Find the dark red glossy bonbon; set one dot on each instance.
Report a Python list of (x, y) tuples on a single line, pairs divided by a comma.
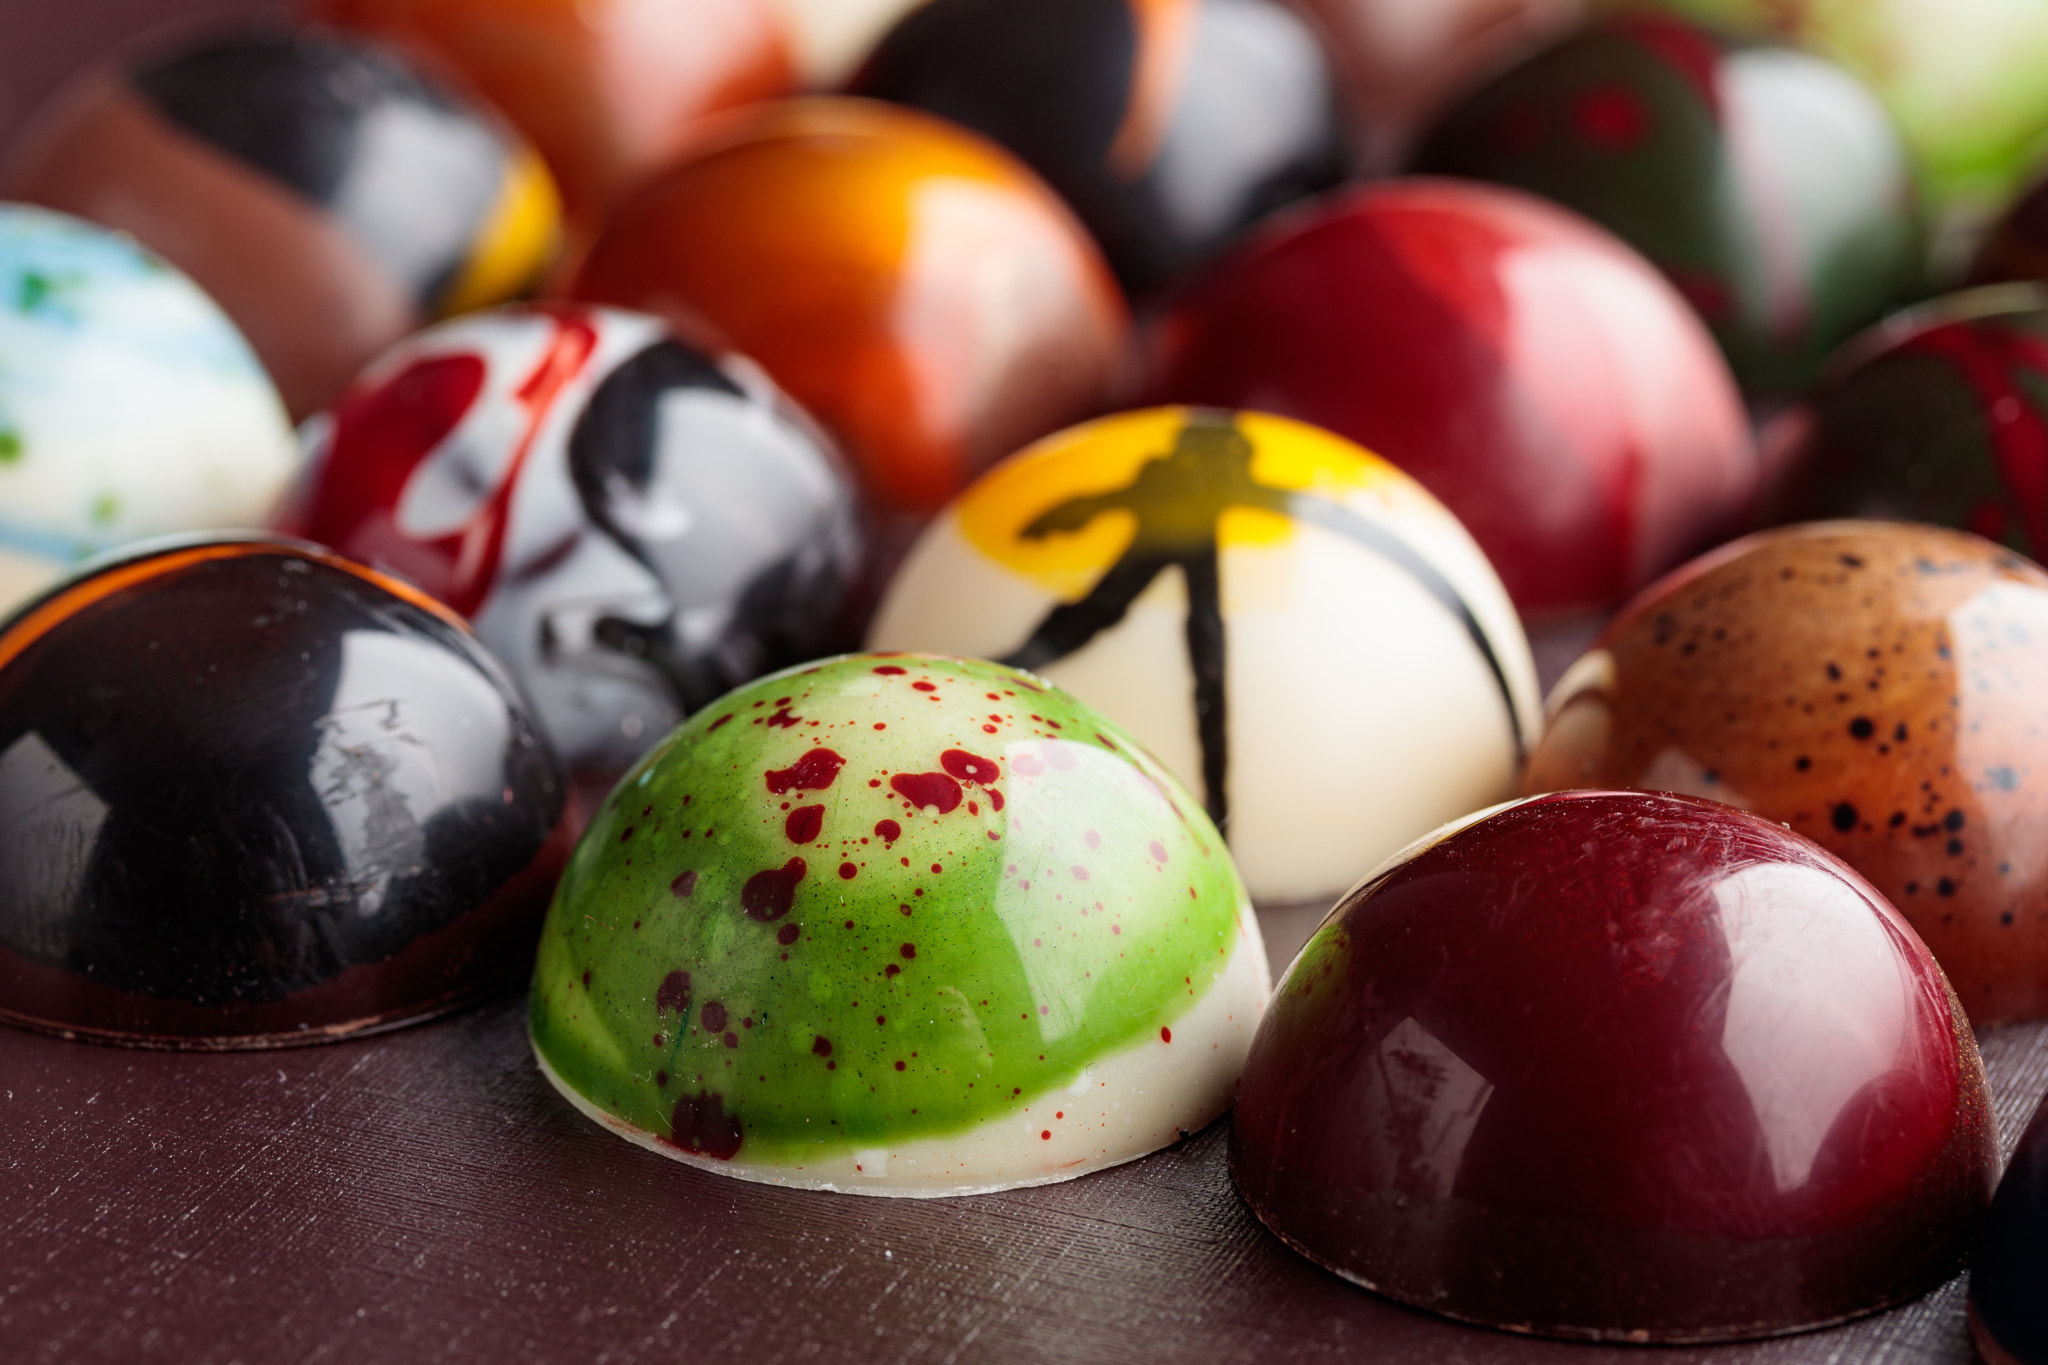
[(1523, 365), (252, 794), (2009, 1273), (1621, 1066), (1768, 184)]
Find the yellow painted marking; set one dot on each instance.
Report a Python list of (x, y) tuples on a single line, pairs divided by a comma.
[(1106, 455), (519, 237)]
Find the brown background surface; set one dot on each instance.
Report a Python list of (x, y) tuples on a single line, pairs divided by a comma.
[(425, 1195)]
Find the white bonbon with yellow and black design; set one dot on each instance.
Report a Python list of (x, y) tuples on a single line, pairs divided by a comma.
[(1295, 627)]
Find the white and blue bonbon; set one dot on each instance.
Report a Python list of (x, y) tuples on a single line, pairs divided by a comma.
[(130, 406)]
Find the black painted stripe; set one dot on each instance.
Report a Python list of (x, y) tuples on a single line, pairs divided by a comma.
[(1336, 517)]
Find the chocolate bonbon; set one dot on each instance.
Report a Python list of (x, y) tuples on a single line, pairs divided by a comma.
[(898, 924), (1300, 632), (1877, 686), (257, 795), (1624, 1066), (633, 525)]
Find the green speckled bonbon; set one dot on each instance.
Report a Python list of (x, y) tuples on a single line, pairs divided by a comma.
[(878, 899)]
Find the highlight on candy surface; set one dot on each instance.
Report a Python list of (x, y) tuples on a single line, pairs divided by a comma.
[(898, 924), (1623, 1066), (254, 795)]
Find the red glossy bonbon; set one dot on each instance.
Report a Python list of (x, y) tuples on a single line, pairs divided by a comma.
[(1526, 367), (1623, 1066)]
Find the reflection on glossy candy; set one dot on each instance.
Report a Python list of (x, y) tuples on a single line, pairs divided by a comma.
[(129, 406), (1623, 1066), (1882, 689), (1527, 368), (1940, 415), (609, 90), (1400, 60), (1961, 77), (1769, 185), (918, 291), (328, 197), (1169, 125), (896, 924), (2008, 1310), (254, 795), (1285, 620), (633, 527)]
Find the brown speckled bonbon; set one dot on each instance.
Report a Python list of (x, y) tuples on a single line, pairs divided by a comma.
[(1880, 688)]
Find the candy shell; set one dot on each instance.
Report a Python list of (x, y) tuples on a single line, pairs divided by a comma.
[(1619, 1066), (1939, 415), (254, 795), (328, 195), (130, 406), (1298, 630), (1169, 127), (917, 289), (1882, 689), (898, 924), (635, 527), (1527, 367)]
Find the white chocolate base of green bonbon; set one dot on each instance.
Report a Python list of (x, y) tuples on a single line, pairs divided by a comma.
[(1124, 1106)]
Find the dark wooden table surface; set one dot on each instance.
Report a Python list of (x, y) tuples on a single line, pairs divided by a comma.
[(426, 1196)]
